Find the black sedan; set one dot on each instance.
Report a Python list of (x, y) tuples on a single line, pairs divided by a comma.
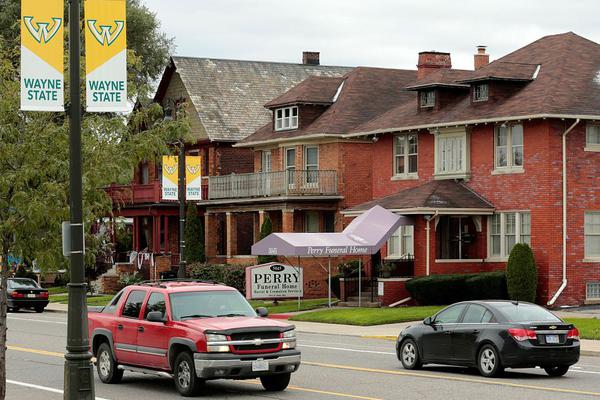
[(491, 335), (26, 293)]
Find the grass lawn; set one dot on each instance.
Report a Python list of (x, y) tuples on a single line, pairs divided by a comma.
[(369, 316), (589, 328), (286, 306), (100, 300), (57, 289)]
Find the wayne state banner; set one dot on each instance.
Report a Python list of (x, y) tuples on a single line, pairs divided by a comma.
[(105, 55), (42, 52), (193, 177)]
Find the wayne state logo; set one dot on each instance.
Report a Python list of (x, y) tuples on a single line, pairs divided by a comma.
[(107, 34), (170, 169), (42, 32), (193, 169)]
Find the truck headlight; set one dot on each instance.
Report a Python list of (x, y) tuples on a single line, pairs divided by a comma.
[(291, 337), (214, 343)]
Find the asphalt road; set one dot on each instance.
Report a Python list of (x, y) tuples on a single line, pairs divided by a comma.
[(333, 367)]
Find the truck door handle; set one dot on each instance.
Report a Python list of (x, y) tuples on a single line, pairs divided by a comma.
[(140, 329), (448, 333), (120, 327)]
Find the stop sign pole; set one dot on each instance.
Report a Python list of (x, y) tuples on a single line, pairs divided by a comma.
[(79, 379)]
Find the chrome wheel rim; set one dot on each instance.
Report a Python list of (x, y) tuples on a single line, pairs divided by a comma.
[(184, 375), (409, 354), (104, 363), (487, 360)]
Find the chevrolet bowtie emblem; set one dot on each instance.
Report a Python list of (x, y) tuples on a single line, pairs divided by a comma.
[(258, 342), (553, 327)]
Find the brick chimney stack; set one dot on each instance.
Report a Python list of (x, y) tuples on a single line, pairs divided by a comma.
[(429, 61), (481, 58), (310, 58)]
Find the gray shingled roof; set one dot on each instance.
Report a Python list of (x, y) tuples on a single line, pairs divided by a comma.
[(229, 95)]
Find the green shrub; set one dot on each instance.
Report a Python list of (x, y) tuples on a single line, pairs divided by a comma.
[(265, 230), (349, 269), (521, 274), (194, 235), (130, 279), (448, 289), (230, 275)]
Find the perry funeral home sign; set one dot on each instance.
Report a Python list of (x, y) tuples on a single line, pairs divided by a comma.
[(42, 55), (274, 281)]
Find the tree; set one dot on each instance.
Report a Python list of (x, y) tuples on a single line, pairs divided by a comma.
[(265, 230), (521, 274), (194, 235), (34, 168)]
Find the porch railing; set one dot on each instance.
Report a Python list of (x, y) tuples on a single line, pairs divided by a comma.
[(276, 183)]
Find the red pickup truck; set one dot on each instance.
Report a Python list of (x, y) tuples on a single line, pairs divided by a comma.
[(193, 332)]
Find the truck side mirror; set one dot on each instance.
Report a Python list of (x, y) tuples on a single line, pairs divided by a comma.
[(262, 312), (428, 321), (155, 316)]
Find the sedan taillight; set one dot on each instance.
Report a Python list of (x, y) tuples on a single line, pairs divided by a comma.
[(44, 294), (573, 334), (522, 335), (17, 295)]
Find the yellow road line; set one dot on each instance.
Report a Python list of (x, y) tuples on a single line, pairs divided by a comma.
[(392, 338), (452, 378), (35, 351)]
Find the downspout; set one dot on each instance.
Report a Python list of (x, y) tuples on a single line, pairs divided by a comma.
[(564, 214), (427, 229)]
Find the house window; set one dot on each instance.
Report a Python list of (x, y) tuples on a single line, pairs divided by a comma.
[(506, 229), (405, 154), (452, 156), (144, 174), (311, 163), (509, 146), (592, 234), (311, 221), (286, 118), (427, 98), (480, 92), (592, 137), (265, 162), (290, 165), (400, 244), (592, 291)]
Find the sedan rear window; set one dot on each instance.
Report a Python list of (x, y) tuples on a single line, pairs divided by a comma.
[(22, 283), (522, 312)]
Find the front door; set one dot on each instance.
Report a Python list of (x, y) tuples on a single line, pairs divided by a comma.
[(437, 341), (153, 337), (126, 330)]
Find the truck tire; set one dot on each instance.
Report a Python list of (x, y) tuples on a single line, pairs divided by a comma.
[(275, 383), (107, 366), (184, 372)]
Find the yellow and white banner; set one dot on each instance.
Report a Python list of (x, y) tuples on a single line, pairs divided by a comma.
[(106, 55), (169, 177), (42, 55), (193, 177)]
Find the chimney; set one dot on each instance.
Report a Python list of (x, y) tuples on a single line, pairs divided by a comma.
[(429, 61), (310, 58), (481, 58)]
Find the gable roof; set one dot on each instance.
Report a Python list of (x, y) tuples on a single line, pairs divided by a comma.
[(229, 95), (312, 90)]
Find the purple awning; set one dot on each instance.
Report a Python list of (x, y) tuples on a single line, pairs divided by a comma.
[(365, 235)]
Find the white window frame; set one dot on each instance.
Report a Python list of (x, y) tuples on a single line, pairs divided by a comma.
[(589, 145), (405, 231), (481, 92), (406, 154), (307, 166), (587, 290), (503, 256), (445, 134), (509, 167), (290, 177), (589, 257), (285, 122), (427, 98), (266, 160)]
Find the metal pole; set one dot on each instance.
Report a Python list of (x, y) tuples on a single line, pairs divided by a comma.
[(359, 281), (300, 282), (79, 380), (329, 280), (181, 270)]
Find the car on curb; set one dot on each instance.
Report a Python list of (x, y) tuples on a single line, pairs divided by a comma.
[(192, 331), (26, 293), (491, 335)]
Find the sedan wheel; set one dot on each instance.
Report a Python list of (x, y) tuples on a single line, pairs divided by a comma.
[(558, 370), (409, 355), (488, 361)]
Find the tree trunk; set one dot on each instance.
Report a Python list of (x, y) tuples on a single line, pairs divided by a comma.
[(3, 307)]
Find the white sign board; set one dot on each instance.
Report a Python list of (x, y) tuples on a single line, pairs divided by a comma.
[(274, 281)]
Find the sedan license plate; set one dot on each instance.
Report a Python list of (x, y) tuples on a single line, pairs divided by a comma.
[(260, 365), (32, 295), (551, 338)]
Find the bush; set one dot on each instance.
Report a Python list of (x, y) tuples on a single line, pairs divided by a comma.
[(265, 230), (448, 289), (194, 235), (521, 274), (230, 275), (130, 279), (349, 269)]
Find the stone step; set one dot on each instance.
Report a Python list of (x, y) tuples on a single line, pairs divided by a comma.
[(368, 304), (362, 298)]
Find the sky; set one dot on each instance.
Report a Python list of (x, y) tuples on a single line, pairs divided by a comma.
[(376, 33)]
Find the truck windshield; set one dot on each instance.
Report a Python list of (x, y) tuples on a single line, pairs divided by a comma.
[(209, 304)]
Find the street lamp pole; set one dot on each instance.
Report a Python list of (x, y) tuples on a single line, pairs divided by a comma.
[(181, 192), (79, 380)]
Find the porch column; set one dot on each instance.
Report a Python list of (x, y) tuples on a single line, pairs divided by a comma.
[(166, 233), (287, 223), (211, 234), (258, 225), (136, 234), (231, 223)]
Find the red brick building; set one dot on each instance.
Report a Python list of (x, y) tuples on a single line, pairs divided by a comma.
[(484, 158)]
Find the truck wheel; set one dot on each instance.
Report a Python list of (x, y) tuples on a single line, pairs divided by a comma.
[(275, 383), (107, 366), (184, 371)]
